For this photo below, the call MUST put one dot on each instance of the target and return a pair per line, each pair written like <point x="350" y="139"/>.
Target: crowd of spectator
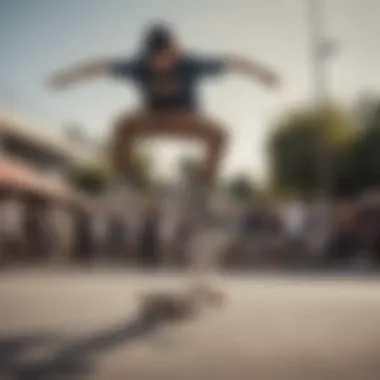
<point x="151" y="234"/>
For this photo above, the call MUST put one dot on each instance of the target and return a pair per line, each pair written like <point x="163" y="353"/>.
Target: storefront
<point x="36" y="196"/>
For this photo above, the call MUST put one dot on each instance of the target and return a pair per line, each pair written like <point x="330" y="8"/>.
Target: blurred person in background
<point x="49" y="229"/>
<point x="63" y="222"/>
<point x="182" y="236"/>
<point x="251" y="233"/>
<point x="12" y="237"/>
<point x="369" y="227"/>
<point x="344" y="243"/>
<point x="32" y="235"/>
<point x="116" y="236"/>
<point x="294" y="216"/>
<point x="279" y="251"/>
<point x="167" y="77"/>
<point x="148" y="239"/>
<point x="100" y="231"/>
<point x="39" y="227"/>
<point x="133" y="224"/>
<point x="82" y="240"/>
<point x="319" y="230"/>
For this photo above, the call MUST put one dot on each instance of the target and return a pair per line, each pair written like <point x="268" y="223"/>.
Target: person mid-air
<point x="167" y="77"/>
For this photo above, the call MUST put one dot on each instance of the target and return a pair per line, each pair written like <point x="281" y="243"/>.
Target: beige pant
<point x="178" y="124"/>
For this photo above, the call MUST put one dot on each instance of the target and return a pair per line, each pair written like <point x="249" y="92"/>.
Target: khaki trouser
<point x="175" y="124"/>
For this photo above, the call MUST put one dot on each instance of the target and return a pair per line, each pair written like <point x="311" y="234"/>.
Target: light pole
<point x="322" y="49"/>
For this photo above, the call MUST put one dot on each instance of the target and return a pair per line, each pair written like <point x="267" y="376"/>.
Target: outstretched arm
<point x="258" y="71"/>
<point x="88" y="70"/>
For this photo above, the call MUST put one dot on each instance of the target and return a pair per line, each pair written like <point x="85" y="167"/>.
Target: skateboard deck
<point x="166" y="306"/>
<point x="178" y="306"/>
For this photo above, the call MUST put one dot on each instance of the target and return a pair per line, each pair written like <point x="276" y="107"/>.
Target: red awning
<point x="19" y="176"/>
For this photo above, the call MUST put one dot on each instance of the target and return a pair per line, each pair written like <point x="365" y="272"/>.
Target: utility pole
<point x="322" y="50"/>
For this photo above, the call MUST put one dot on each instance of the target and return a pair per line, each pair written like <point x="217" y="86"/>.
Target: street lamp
<point x="322" y="49"/>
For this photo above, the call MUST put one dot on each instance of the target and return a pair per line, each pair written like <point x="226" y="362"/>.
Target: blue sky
<point x="40" y="36"/>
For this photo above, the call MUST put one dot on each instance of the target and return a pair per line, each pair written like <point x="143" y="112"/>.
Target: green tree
<point x="365" y="152"/>
<point x="298" y="143"/>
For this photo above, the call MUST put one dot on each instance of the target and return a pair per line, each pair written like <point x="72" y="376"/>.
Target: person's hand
<point x="59" y="81"/>
<point x="271" y="80"/>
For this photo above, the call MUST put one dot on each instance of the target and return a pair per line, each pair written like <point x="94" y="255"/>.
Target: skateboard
<point x="178" y="306"/>
<point x="166" y="306"/>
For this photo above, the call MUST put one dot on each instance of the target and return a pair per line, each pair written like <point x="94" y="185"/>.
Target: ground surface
<point x="83" y="326"/>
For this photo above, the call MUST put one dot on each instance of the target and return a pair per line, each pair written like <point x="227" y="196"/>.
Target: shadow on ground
<point x="70" y="361"/>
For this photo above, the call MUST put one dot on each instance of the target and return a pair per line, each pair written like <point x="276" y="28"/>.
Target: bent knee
<point x="126" y="124"/>
<point x="222" y="137"/>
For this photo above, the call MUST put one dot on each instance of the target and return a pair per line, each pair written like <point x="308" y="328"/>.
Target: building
<point x="34" y="157"/>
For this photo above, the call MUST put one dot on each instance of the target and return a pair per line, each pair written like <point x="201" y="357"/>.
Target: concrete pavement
<point x="82" y="325"/>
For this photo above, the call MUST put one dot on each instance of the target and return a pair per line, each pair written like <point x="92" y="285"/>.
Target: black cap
<point x="158" y="37"/>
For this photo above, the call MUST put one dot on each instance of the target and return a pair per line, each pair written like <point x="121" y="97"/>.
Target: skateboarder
<point x="167" y="77"/>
